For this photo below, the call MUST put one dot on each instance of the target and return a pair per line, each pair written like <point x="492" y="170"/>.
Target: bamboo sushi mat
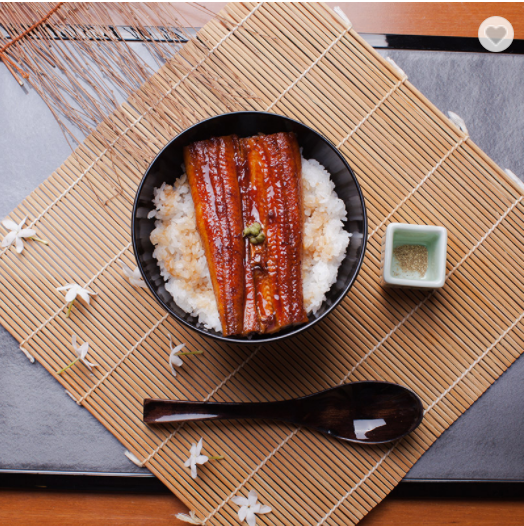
<point x="414" y="166"/>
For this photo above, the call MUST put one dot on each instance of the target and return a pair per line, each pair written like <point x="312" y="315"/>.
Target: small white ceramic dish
<point x="434" y="238"/>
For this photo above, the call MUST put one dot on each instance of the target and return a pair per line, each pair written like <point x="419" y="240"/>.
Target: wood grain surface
<point x="53" y="508"/>
<point x="28" y="507"/>
<point x="460" y="19"/>
<point x="409" y="18"/>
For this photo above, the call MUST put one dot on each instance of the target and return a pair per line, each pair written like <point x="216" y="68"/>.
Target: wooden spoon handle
<point x="158" y="411"/>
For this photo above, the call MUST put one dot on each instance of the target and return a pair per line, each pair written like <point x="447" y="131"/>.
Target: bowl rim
<point x="274" y="336"/>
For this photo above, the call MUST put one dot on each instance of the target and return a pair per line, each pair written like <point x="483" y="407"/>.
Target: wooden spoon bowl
<point x="363" y="412"/>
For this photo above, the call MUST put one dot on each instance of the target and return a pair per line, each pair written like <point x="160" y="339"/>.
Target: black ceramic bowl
<point x="168" y="166"/>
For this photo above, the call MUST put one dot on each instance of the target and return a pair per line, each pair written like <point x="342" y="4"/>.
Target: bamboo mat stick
<point x="414" y="166"/>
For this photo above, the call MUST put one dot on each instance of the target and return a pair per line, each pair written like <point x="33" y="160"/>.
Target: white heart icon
<point x="496" y="34"/>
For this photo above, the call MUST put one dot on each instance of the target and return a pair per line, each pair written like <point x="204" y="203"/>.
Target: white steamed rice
<point x="183" y="262"/>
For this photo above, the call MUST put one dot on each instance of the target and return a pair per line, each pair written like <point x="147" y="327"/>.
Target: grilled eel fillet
<point x="273" y="198"/>
<point x="211" y="167"/>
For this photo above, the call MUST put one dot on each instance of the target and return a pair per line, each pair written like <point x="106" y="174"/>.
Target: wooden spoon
<point x="363" y="412"/>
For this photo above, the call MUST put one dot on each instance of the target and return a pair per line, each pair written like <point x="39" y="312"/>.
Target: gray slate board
<point x="41" y="428"/>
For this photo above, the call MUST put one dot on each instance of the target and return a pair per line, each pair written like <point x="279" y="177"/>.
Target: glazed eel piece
<point x="265" y="287"/>
<point x="275" y="201"/>
<point x="251" y="316"/>
<point x="291" y="163"/>
<point x="211" y="168"/>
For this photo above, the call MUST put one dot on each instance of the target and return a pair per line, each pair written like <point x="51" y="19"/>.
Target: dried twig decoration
<point x="87" y="79"/>
<point x="80" y="63"/>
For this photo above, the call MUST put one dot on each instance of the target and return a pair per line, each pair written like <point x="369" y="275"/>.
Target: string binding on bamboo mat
<point x="133" y="458"/>
<point x="206" y="399"/>
<point x="297" y="429"/>
<point x="119" y="362"/>
<point x="396" y="67"/>
<point x="356" y="486"/>
<point x="371" y="475"/>
<point x="54" y="315"/>
<point x="434" y="291"/>
<point x="139" y="119"/>
<point x="68" y="393"/>
<point x="424" y="179"/>
<point x="458" y="121"/>
<point x="305" y="72"/>
<point x="475" y="363"/>
<point x="342" y="15"/>
<point x="372" y="111"/>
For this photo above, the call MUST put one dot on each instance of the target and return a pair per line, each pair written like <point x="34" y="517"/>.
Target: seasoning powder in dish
<point x="410" y="261"/>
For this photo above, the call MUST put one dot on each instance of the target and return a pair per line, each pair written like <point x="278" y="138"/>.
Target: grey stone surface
<point x="486" y="91"/>
<point x="42" y="428"/>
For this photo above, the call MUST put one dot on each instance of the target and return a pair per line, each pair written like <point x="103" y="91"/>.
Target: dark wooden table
<point x="63" y="508"/>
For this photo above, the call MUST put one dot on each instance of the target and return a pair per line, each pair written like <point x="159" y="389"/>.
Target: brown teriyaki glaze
<point x="235" y="184"/>
<point x="212" y="174"/>
<point x="274" y="199"/>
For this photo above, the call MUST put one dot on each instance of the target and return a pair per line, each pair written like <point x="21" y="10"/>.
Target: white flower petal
<point x="10" y="224"/>
<point x="187" y="463"/>
<point x="84" y="294"/>
<point x="19" y="245"/>
<point x="201" y="459"/>
<point x="178" y="347"/>
<point x="21" y="224"/>
<point x="82" y="350"/>
<point x="134" y="276"/>
<point x="176" y="360"/>
<point x="198" y="448"/>
<point x="194" y="471"/>
<point x="75" y="347"/>
<point x="240" y="501"/>
<point x="8" y="240"/>
<point x="242" y="512"/>
<point x="138" y="282"/>
<point x="191" y="518"/>
<point x="264" y="509"/>
<point x="125" y="269"/>
<point x="89" y="364"/>
<point x="65" y="287"/>
<point x="173" y="358"/>
<point x="252" y="497"/>
<point x="251" y="518"/>
<point x="27" y="232"/>
<point x="71" y="295"/>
